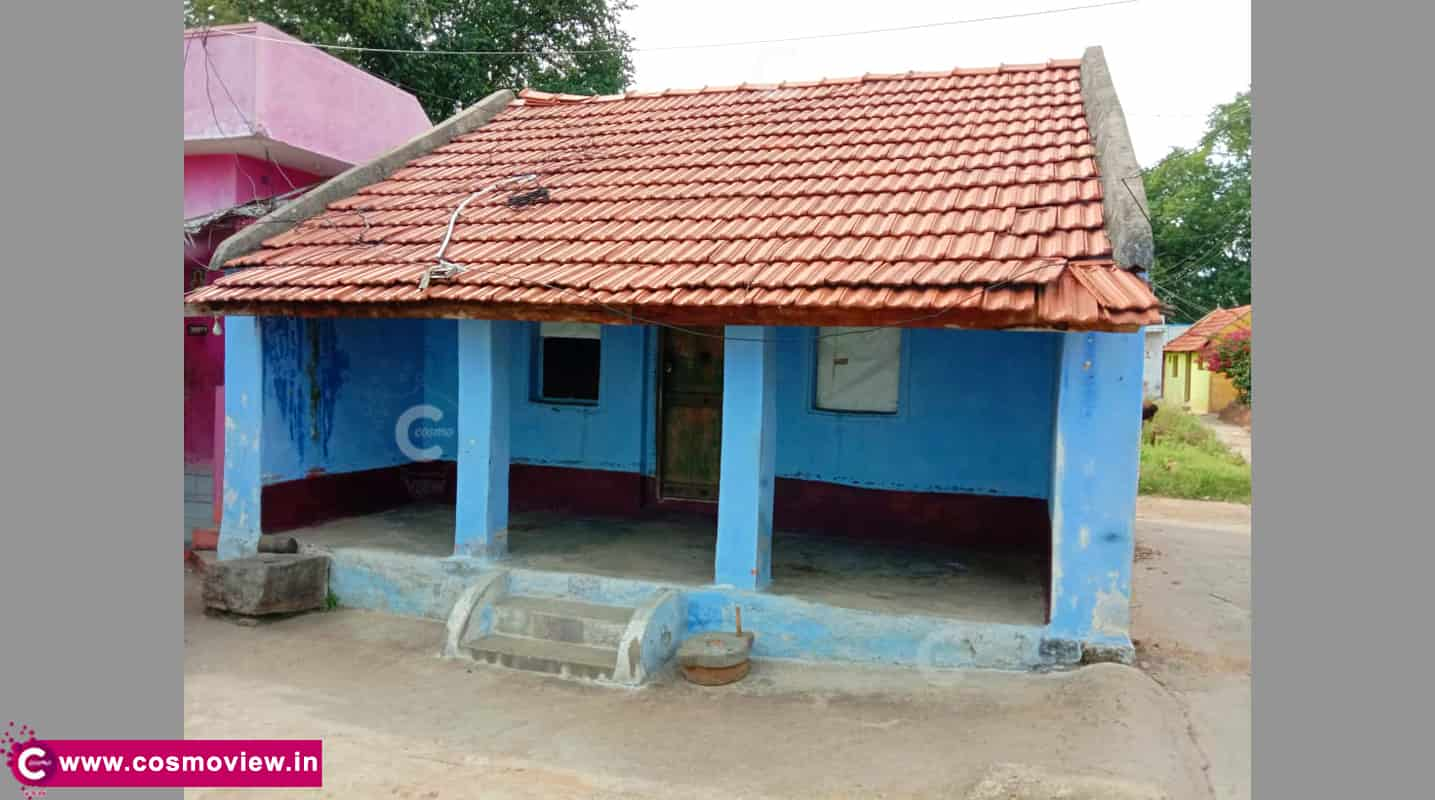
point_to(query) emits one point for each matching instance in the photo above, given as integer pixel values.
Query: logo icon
(404, 433)
(30, 760)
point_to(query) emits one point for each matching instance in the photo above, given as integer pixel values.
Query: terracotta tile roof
(1195, 337)
(973, 193)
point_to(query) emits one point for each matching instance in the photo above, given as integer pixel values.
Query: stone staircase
(557, 636)
(563, 636)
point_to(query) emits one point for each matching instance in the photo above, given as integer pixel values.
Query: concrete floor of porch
(678, 549)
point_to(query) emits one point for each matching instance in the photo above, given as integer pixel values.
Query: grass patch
(1186, 460)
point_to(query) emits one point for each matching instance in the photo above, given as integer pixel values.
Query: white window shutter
(858, 369)
(570, 330)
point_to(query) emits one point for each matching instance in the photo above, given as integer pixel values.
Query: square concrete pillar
(1095, 468)
(749, 450)
(239, 524)
(484, 397)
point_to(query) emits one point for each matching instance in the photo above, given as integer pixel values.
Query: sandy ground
(398, 722)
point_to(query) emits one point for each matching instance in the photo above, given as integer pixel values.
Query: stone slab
(268, 583)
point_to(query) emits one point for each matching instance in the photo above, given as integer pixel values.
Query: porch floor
(678, 549)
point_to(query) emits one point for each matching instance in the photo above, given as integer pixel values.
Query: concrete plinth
(268, 583)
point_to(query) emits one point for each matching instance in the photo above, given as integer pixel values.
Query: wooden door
(690, 414)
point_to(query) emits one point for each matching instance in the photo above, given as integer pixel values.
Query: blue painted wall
(244, 449)
(974, 416)
(1094, 478)
(608, 436)
(334, 390)
(485, 402)
(749, 449)
(974, 412)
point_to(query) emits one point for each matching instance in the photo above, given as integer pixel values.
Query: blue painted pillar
(1095, 466)
(481, 523)
(749, 450)
(239, 525)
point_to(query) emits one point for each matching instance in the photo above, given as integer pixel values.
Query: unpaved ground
(1236, 438)
(399, 722)
(1191, 620)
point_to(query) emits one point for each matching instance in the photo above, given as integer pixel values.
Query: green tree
(1201, 216)
(555, 45)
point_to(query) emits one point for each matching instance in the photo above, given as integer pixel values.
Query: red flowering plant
(1230, 355)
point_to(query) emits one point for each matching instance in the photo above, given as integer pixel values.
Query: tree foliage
(555, 45)
(1201, 217)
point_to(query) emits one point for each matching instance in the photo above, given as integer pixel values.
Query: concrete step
(541, 655)
(560, 620)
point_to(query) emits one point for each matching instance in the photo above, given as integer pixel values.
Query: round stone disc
(704, 676)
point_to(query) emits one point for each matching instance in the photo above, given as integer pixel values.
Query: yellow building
(1184, 380)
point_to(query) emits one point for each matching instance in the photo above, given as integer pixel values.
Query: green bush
(1182, 458)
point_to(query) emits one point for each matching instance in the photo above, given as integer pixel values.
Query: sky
(1172, 60)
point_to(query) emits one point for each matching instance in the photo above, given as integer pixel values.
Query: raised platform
(830, 598)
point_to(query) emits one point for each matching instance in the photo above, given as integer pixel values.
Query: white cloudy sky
(1171, 60)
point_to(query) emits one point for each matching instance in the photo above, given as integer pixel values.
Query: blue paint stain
(327, 368)
(335, 391)
(285, 354)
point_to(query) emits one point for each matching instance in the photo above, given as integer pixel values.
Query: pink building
(265, 115)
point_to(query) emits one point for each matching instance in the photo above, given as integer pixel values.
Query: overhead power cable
(699, 46)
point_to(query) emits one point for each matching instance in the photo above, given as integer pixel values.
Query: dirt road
(1191, 620)
(398, 722)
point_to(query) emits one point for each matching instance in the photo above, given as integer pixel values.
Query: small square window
(858, 369)
(570, 356)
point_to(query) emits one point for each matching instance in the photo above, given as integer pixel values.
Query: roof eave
(663, 315)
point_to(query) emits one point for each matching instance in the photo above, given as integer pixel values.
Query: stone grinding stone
(718, 650)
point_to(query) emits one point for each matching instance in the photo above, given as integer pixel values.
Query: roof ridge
(531, 96)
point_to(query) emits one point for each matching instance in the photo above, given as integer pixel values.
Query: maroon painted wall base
(322, 497)
(577, 491)
(877, 515)
(886, 516)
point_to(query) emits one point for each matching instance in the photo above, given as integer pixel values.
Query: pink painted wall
(220, 181)
(262, 117)
(291, 97)
(212, 183)
(203, 364)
